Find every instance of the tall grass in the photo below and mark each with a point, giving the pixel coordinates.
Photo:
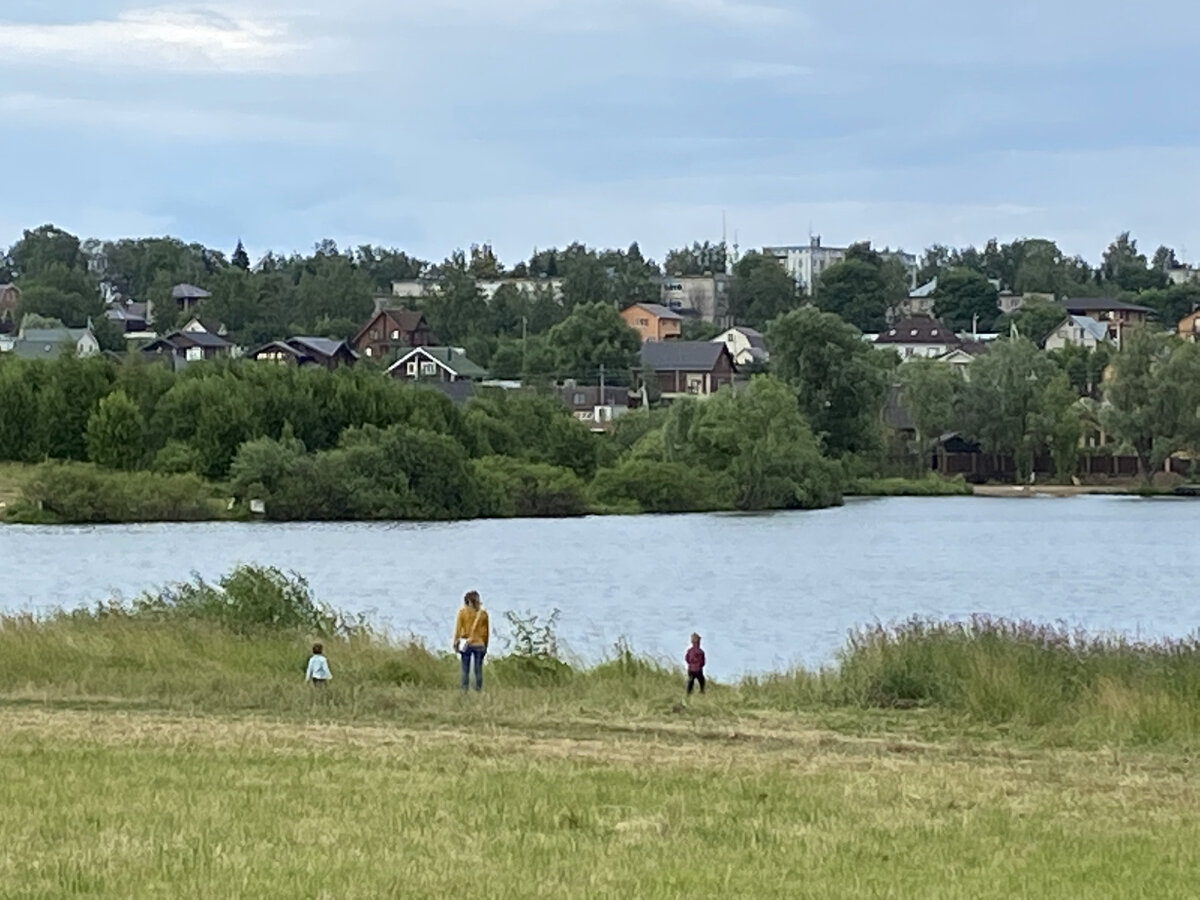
(241, 643)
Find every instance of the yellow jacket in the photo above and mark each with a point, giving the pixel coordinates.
(474, 630)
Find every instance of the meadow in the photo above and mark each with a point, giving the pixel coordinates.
(168, 747)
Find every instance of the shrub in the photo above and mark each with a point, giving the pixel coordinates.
(644, 485)
(82, 493)
(510, 487)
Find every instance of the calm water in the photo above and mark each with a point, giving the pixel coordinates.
(764, 590)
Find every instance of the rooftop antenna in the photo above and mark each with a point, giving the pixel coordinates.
(729, 268)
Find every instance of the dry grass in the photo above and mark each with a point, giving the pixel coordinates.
(141, 804)
(13, 478)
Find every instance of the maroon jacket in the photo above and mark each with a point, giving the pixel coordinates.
(694, 659)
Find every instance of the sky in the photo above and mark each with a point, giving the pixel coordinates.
(433, 125)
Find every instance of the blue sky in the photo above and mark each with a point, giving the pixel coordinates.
(433, 125)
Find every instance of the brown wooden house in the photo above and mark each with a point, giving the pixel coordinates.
(681, 368)
(391, 331)
(307, 351)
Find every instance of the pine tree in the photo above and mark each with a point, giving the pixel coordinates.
(241, 258)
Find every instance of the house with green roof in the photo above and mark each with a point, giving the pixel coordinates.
(436, 364)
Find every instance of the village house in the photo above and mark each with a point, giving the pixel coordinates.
(919, 337)
(653, 322)
(130, 317)
(307, 351)
(436, 364)
(50, 340)
(187, 296)
(682, 368)
(596, 407)
(10, 301)
(1116, 315)
(746, 344)
(1078, 331)
(179, 348)
(392, 331)
(1189, 327)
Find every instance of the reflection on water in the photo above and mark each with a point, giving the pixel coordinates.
(764, 590)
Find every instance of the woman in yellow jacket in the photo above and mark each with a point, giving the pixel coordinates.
(471, 638)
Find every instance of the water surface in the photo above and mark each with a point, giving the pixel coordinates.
(765, 590)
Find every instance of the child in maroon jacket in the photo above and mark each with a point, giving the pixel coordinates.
(695, 665)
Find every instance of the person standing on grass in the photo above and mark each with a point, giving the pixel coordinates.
(318, 674)
(471, 638)
(695, 665)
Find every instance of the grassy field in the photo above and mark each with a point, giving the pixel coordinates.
(13, 477)
(170, 749)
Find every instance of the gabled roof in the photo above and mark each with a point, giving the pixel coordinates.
(276, 347)
(408, 320)
(189, 292)
(53, 335)
(452, 359)
(753, 336)
(919, 330)
(181, 340)
(1098, 330)
(30, 349)
(1081, 305)
(657, 310)
(322, 345)
(925, 290)
(683, 356)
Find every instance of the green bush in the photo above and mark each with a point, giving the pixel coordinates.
(82, 493)
(931, 486)
(646, 485)
(511, 487)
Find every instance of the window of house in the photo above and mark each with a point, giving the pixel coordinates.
(413, 367)
(695, 384)
(645, 323)
(428, 368)
(374, 334)
(369, 351)
(194, 353)
(395, 334)
(579, 400)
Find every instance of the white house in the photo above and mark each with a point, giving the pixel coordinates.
(919, 337)
(436, 364)
(1078, 331)
(746, 344)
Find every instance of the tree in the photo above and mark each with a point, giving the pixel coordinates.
(966, 300)
(1165, 259)
(116, 433)
(457, 308)
(932, 392)
(58, 292)
(699, 259)
(484, 264)
(1172, 303)
(1126, 268)
(43, 248)
(1153, 398)
(1004, 397)
(1057, 424)
(634, 278)
(240, 258)
(761, 290)
(594, 335)
(862, 288)
(586, 279)
(840, 380)
(1083, 367)
(18, 411)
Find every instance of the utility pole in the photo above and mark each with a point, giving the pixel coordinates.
(524, 336)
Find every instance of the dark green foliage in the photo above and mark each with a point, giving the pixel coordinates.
(511, 487)
(1034, 321)
(862, 288)
(116, 433)
(531, 426)
(762, 290)
(659, 486)
(77, 492)
(591, 337)
(966, 300)
(248, 600)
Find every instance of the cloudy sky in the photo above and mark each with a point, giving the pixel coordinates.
(431, 125)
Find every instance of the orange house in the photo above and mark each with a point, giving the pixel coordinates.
(653, 322)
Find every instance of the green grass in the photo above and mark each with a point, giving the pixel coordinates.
(13, 478)
(169, 748)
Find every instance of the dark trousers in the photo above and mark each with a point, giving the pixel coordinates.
(477, 653)
(695, 678)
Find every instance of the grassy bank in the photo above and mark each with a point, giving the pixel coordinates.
(931, 486)
(168, 746)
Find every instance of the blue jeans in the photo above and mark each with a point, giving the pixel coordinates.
(477, 653)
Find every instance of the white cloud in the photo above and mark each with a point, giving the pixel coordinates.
(161, 37)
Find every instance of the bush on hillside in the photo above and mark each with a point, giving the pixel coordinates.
(82, 493)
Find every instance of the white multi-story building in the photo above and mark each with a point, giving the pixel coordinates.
(806, 263)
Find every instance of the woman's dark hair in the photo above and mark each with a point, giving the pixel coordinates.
(318, 648)
(471, 598)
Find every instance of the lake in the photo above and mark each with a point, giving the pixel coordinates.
(765, 591)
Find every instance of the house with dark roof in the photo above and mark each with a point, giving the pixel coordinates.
(747, 345)
(681, 368)
(594, 405)
(129, 317)
(436, 364)
(1116, 315)
(392, 331)
(327, 353)
(10, 301)
(187, 296)
(919, 337)
(653, 321)
(179, 348)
